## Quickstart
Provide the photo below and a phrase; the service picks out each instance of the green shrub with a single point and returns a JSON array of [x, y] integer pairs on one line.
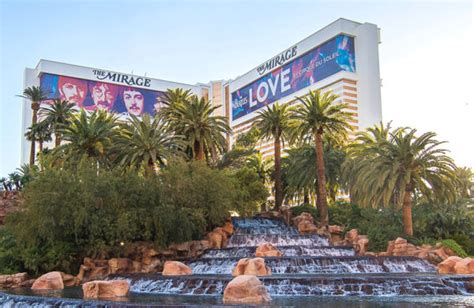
[[451, 244], [251, 193], [73, 213]]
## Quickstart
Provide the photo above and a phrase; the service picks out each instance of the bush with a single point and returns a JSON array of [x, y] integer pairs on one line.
[[251, 193], [73, 213], [451, 244], [197, 187]]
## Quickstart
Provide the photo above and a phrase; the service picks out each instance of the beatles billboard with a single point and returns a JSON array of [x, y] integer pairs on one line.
[[92, 95], [321, 62]]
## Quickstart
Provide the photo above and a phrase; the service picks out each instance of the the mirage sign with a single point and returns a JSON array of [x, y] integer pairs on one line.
[[321, 62]]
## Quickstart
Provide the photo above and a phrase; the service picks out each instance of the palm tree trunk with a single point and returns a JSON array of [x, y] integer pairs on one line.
[[278, 182], [320, 173], [198, 150], [406, 213], [33, 141], [40, 146], [57, 139]]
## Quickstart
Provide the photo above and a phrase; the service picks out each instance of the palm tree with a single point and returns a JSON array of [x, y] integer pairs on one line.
[[58, 115], [274, 122], [301, 175], [194, 120], [316, 116], [40, 132], [465, 185], [36, 96], [88, 136], [146, 142], [395, 169], [260, 165]]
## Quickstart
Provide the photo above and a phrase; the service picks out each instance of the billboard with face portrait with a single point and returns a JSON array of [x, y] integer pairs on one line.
[[321, 62], [93, 95]]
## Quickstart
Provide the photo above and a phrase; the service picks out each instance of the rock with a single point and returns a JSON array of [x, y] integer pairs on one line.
[[246, 289], [464, 266], [447, 266], [361, 245], [119, 265], [335, 229], [228, 228], [70, 280], [400, 240], [49, 281], [13, 281], [105, 289], [351, 236], [175, 268], [307, 227], [155, 266], [216, 239], [254, 266], [267, 250], [305, 216]]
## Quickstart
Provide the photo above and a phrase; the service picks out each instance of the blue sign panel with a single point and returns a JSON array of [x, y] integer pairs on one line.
[[321, 62]]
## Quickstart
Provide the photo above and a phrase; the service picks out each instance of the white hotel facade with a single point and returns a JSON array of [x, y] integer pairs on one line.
[[341, 57]]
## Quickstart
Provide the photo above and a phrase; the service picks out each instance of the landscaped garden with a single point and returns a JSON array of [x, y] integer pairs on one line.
[[108, 188]]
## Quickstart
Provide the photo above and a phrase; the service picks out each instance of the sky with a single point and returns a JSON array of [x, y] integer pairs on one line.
[[426, 53]]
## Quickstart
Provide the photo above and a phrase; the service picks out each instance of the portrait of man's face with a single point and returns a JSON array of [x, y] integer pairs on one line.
[[134, 102], [103, 96], [73, 90]]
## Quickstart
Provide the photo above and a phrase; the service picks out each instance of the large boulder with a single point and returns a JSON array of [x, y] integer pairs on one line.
[[464, 266], [307, 227], [105, 289], [246, 289], [49, 281], [267, 250], [228, 228], [447, 266], [351, 236], [120, 265], [217, 240], [254, 266], [361, 245], [305, 216], [13, 281], [175, 268]]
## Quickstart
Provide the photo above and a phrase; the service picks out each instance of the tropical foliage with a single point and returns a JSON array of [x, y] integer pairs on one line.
[[396, 166], [274, 123], [193, 118], [36, 96], [319, 115]]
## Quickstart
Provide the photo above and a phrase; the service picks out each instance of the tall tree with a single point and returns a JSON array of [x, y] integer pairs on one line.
[[301, 175], [146, 142], [194, 120], [274, 123], [465, 183], [58, 115], [393, 170], [88, 135], [40, 132], [317, 115], [35, 95]]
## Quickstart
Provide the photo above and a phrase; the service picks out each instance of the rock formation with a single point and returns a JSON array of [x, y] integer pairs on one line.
[[246, 289], [254, 266]]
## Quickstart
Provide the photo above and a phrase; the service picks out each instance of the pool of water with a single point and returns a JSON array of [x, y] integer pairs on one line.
[[72, 297]]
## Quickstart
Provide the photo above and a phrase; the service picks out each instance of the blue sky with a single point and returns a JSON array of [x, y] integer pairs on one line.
[[425, 55]]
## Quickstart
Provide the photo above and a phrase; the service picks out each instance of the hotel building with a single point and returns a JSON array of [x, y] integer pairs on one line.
[[341, 57]]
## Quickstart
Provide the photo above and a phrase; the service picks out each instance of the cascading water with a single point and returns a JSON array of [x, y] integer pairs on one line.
[[309, 267]]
